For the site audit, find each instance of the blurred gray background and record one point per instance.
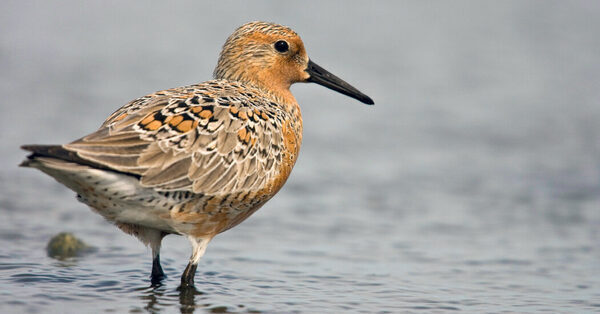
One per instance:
(473, 183)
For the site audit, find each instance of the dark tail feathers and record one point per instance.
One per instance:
(54, 151)
(59, 152)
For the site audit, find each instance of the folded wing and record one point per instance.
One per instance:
(202, 138)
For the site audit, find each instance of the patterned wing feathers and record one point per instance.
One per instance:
(182, 140)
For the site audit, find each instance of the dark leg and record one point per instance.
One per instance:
(198, 248)
(187, 279)
(157, 273)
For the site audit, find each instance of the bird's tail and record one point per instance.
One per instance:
(51, 151)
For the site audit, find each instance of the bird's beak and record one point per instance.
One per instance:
(323, 77)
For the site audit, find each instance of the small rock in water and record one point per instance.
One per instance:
(65, 245)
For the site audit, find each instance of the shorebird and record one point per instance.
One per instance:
(196, 160)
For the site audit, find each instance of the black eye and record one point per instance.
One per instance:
(282, 46)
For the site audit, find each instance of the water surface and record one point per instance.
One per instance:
(472, 185)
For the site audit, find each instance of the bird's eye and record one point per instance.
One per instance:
(282, 46)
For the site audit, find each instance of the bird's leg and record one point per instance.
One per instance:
(198, 249)
(157, 274)
(151, 237)
(155, 239)
(187, 278)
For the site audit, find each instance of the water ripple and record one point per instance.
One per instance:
(471, 186)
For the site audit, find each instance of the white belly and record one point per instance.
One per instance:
(117, 197)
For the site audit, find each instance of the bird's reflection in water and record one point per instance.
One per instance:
(158, 297)
(187, 297)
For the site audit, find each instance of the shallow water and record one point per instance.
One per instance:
(472, 185)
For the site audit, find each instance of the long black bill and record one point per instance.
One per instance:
(323, 77)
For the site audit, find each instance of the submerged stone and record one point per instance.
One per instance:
(65, 245)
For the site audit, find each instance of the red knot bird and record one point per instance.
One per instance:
(196, 160)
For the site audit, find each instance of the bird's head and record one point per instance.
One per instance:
(272, 57)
